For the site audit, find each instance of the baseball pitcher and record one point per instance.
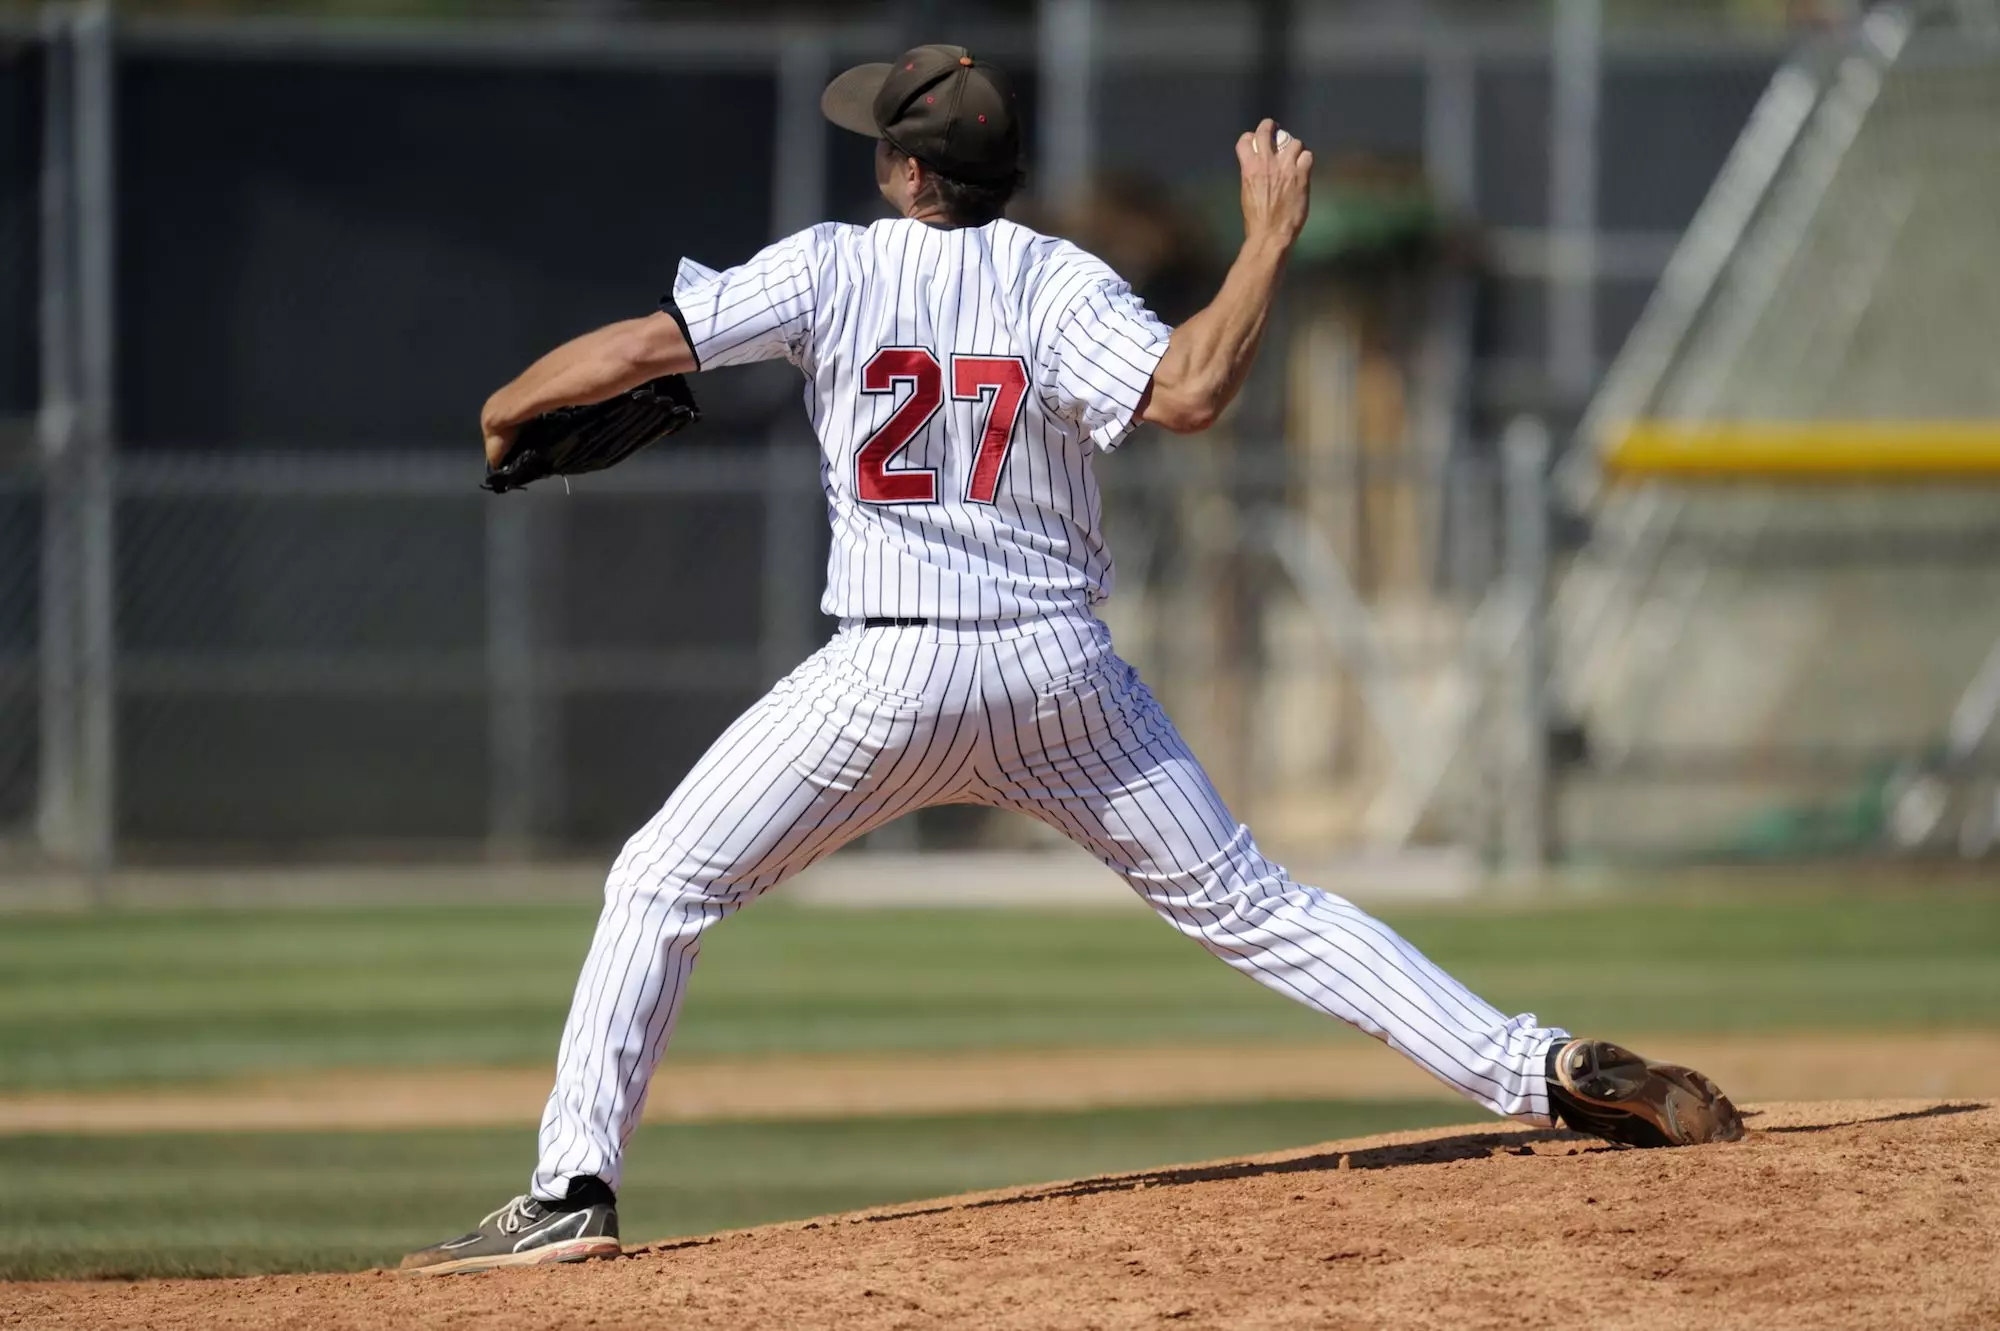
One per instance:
(964, 375)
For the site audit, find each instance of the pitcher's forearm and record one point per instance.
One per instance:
(1210, 355)
(1237, 318)
(601, 364)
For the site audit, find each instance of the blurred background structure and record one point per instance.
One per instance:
(258, 269)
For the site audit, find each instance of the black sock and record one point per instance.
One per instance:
(1558, 1097)
(586, 1190)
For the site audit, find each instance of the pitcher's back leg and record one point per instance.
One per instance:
(1092, 754)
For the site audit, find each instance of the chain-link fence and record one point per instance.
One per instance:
(370, 656)
(318, 652)
(253, 607)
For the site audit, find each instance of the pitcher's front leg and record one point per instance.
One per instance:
(813, 765)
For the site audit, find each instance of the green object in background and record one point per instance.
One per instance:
(1352, 224)
(1858, 823)
(139, 997)
(1352, 221)
(172, 1205)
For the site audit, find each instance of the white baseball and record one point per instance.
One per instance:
(1282, 139)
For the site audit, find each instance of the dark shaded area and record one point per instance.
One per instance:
(274, 770)
(1511, 182)
(377, 248)
(352, 630)
(20, 225)
(326, 253)
(624, 753)
(296, 574)
(382, 245)
(1667, 124)
(645, 571)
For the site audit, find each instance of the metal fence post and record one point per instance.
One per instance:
(1525, 794)
(1576, 58)
(95, 164)
(58, 821)
(1451, 123)
(513, 700)
(1065, 34)
(798, 157)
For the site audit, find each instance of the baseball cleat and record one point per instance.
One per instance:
(1610, 1092)
(528, 1232)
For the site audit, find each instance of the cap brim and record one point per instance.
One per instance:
(849, 101)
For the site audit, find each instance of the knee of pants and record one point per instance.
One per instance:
(655, 870)
(1225, 889)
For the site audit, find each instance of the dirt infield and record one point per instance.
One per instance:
(1872, 1213)
(1754, 1067)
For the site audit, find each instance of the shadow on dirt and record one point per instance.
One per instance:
(1908, 1115)
(1440, 1150)
(1475, 1145)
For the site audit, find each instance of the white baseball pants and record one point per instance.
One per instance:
(1036, 715)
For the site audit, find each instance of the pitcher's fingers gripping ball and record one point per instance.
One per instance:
(965, 377)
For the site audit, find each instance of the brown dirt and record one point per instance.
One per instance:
(1853, 1214)
(1752, 1067)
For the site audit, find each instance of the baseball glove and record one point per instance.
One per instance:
(571, 440)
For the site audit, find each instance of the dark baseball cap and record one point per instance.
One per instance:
(939, 105)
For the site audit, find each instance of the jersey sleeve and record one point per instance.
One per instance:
(1102, 354)
(760, 310)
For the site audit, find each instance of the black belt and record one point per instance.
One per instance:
(889, 622)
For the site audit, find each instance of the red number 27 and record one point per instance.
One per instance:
(972, 378)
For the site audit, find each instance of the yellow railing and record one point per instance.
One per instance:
(1803, 450)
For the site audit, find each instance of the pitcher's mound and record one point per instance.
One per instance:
(1843, 1214)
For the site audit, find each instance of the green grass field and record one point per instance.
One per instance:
(141, 997)
(136, 997)
(247, 1203)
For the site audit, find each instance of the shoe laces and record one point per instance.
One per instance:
(511, 1218)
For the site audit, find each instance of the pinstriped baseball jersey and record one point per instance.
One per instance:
(959, 381)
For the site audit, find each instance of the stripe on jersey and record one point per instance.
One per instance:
(829, 298)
